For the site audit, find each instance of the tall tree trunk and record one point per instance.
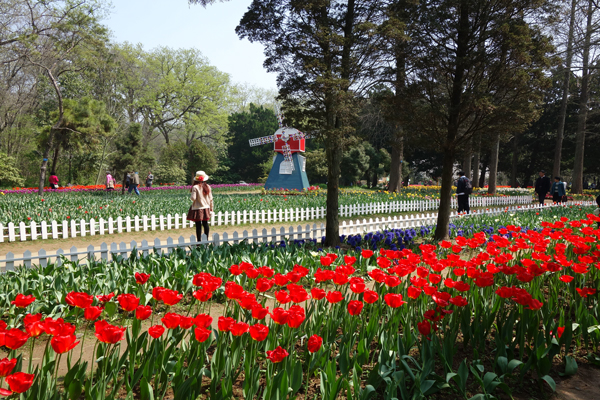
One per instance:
(462, 42)
(333, 149)
(466, 165)
(70, 165)
(560, 133)
(395, 183)
(333, 153)
(577, 187)
(476, 157)
(55, 159)
(483, 171)
(124, 179)
(515, 159)
(494, 164)
(443, 224)
(101, 161)
(55, 127)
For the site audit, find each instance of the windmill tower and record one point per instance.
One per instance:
(289, 167)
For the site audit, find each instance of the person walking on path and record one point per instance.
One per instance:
(558, 191)
(135, 182)
(53, 181)
(149, 179)
(542, 186)
(110, 182)
(202, 204)
(463, 190)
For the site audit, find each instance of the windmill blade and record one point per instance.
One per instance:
(301, 135)
(279, 116)
(262, 140)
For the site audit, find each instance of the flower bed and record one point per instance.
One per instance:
(62, 206)
(476, 315)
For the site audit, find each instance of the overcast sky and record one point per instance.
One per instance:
(211, 30)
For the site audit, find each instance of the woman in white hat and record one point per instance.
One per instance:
(202, 204)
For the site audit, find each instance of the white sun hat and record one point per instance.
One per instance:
(201, 176)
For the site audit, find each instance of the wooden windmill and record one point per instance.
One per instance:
(289, 166)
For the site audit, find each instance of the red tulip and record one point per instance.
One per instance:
(57, 327)
(297, 293)
(128, 302)
(22, 301)
(63, 343)
(235, 270)
(186, 322)
(280, 316)
(393, 300)
(326, 261)
(566, 278)
(355, 307)
(156, 331)
(266, 271)
(259, 312)
(171, 297)
(314, 343)
(201, 334)
(357, 285)
(296, 316)
(370, 296)
(334, 296)
(202, 295)
(462, 286)
(233, 291)
(459, 301)
(424, 327)
(143, 312)
(367, 253)
(31, 318)
(171, 320)
(259, 332)
(79, 299)
(15, 338)
(157, 293)
(20, 382)
(103, 298)
(239, 328)
(6, 366)
(277, 355)
(317, 293)
(280, 280)
(559, 332)
(383, 262)
(225, 323)
(252, 273)
(92, 313)
(413, 292)
(282, 296)
(203, 321)
(108, 333)
(340, 278)
(141, 278)
(33, 325)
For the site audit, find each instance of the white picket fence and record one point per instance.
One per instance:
(308, 232)
(65, 229)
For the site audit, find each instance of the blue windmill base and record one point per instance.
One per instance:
(297, 180)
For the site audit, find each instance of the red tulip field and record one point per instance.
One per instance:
(477, 317)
